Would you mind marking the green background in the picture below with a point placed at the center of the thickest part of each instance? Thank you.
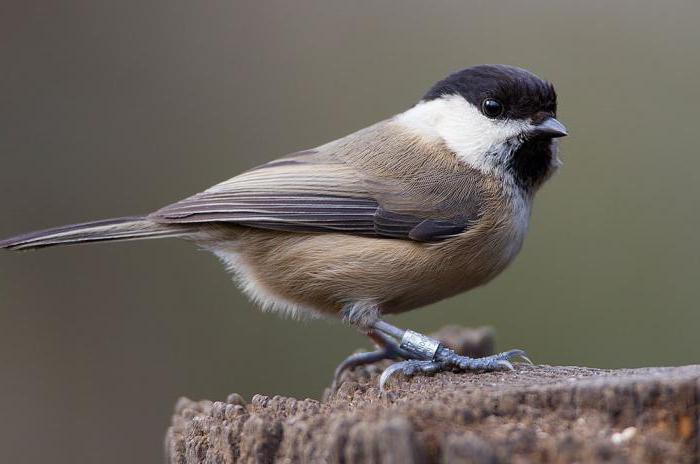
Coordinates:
(117, 108)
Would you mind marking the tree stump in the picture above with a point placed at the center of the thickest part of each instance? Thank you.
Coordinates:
(534, 414)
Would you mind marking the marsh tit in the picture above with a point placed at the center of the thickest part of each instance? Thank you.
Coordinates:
(429, 203)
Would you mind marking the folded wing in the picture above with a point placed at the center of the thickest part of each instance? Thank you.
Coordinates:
(309, 192)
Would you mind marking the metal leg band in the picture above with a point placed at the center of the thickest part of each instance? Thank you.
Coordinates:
(420, 345)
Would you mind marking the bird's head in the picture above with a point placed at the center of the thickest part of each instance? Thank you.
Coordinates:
(496, 118)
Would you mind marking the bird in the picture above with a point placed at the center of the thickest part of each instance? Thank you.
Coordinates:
(426, 204)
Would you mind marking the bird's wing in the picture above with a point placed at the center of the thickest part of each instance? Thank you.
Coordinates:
(313, 191)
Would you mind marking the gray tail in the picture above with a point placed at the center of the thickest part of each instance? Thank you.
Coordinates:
(126, 228)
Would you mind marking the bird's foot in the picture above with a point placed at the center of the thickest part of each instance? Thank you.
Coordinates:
(426, 355)
(447, 360)
(419, 354)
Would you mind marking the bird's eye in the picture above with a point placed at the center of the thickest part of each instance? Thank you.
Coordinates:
(492, 108)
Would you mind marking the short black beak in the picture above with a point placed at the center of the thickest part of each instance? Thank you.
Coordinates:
(550, 127)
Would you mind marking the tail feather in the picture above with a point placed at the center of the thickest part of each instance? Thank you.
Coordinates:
(126, 228)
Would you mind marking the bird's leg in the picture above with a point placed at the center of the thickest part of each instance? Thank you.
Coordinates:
(423, 354)
(418, 353)
(387, 348)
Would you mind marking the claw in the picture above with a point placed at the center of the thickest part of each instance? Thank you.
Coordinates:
(387, 349)
(505, 364)
(359, 359)
(389, 371)
(408, 368)
(516, 354)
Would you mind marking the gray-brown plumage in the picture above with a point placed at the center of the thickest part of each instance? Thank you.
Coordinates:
(427, 204)
(438, 209)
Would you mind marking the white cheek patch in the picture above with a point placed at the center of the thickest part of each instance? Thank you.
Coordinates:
(463, 128)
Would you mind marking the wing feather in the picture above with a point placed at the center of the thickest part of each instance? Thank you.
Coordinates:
(309, 192)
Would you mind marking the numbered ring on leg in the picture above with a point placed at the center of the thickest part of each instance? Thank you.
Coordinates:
(419, 344)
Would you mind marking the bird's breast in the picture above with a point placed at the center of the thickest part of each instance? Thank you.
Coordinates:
(465, 261)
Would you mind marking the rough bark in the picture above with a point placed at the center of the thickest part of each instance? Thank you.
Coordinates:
(534, 414)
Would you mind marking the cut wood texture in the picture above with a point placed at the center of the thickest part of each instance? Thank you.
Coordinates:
(534, 414)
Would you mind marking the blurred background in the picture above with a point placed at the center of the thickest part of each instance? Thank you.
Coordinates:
(117, 108)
